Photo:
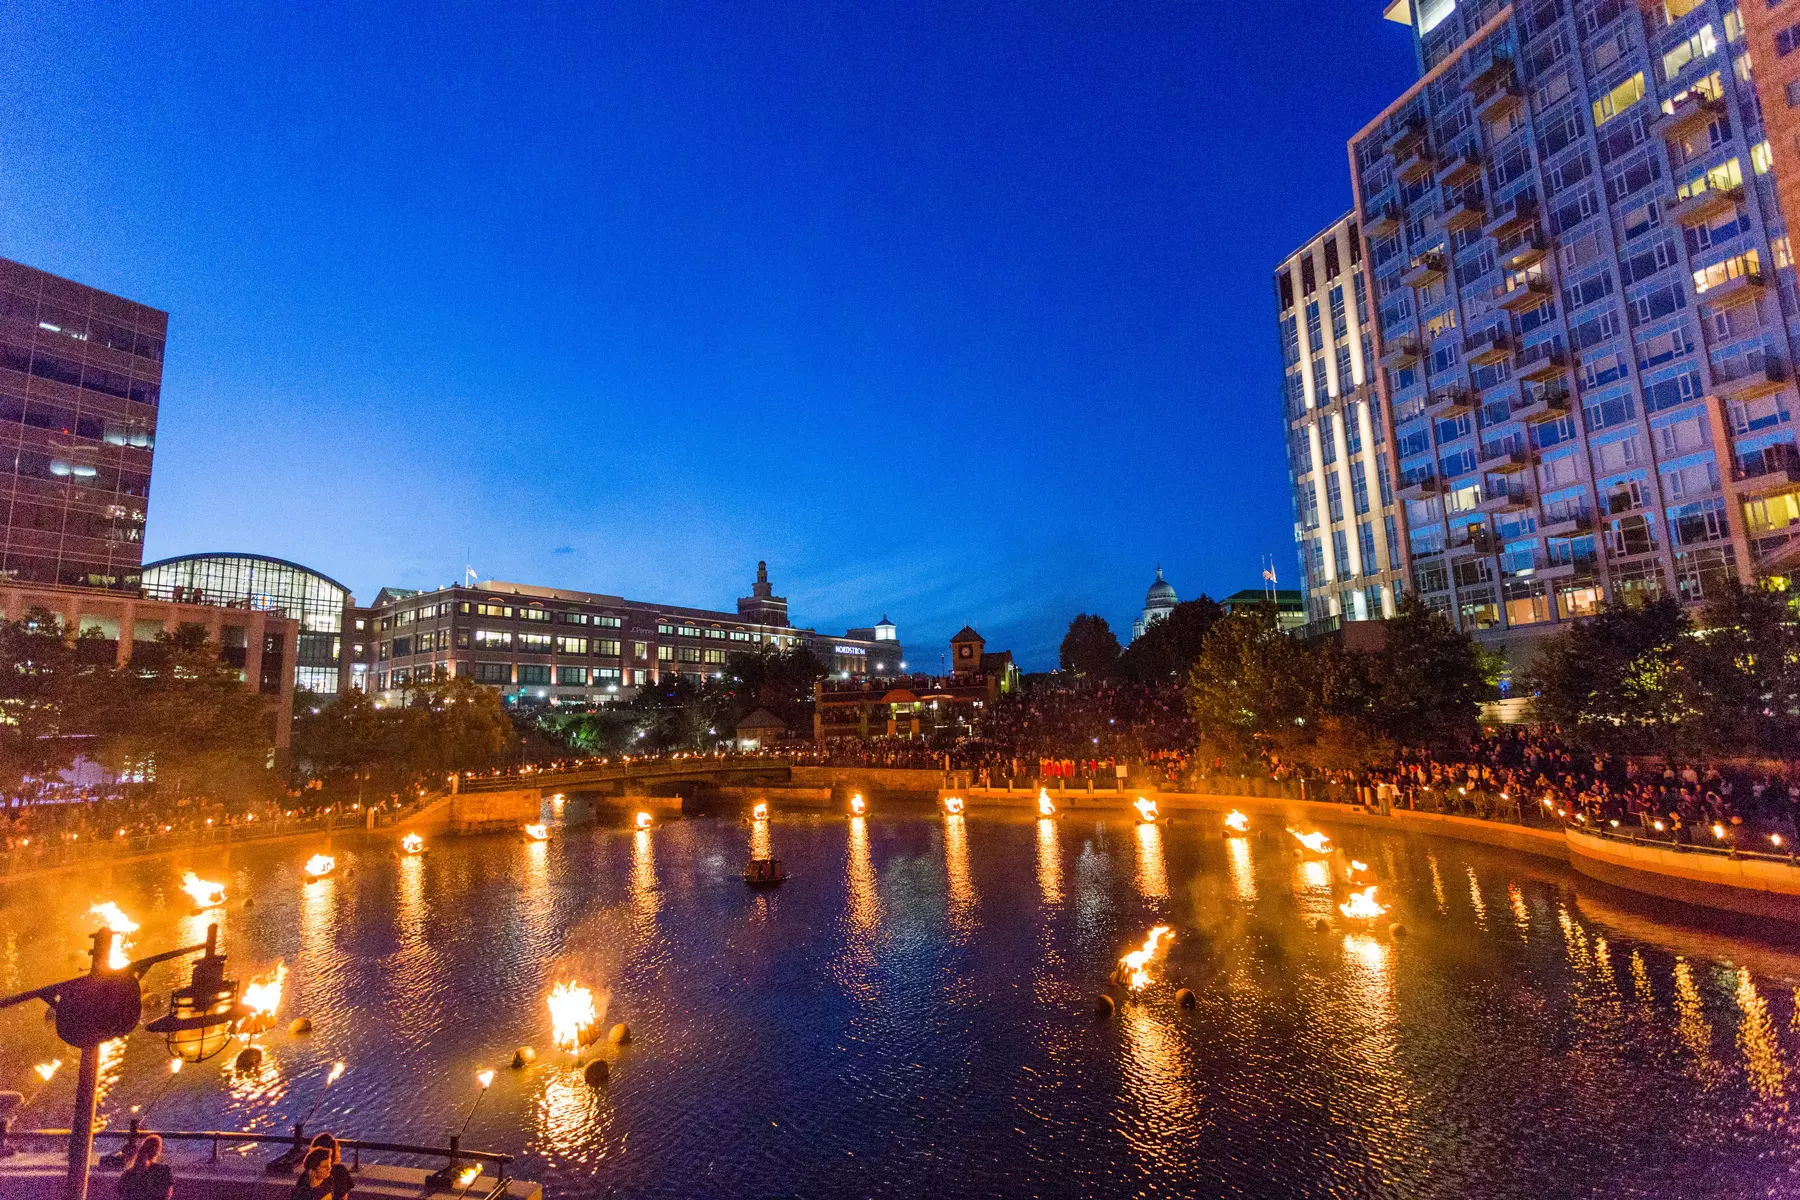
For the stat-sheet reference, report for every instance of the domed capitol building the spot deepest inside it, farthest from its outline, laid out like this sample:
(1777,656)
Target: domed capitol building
(1159,602)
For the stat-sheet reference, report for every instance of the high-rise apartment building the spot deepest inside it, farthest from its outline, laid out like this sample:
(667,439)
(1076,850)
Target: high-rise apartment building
(80,378)
(1346,525)
(1584,303)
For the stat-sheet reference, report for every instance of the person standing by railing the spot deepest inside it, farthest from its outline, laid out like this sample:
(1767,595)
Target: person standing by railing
(147,1178)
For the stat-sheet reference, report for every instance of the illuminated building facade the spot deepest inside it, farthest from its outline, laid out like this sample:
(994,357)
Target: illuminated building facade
(80,381)
(258,583)
(1340,466)
(1583,303)
(558,646)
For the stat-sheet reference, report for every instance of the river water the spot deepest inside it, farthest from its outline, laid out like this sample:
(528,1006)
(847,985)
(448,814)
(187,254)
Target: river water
(910,1014)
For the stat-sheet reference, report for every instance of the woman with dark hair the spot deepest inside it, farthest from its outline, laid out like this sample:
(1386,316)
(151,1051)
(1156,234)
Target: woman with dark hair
(146,1177)
(341,1183)
(315,1177)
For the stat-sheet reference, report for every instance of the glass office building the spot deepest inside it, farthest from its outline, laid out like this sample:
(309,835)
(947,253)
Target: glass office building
(261,584)
(1584,304)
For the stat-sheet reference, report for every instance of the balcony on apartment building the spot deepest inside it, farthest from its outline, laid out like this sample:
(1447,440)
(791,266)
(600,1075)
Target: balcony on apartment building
(1399,352)
(1773,469)
(1519,294)
(1500,496)
(1733,281)
(1405,134)
(1448,402)
(1522,250)
(1543,361)
(1567,525)
(1462,167)
(1705,204)
(1503,460)
(1691,112)
(1420,488)
(1424,269)
(1746,379)
(1491,345)
(1383,222)
(1496,91)
(1512,215)
(1465,211)
(1545,404)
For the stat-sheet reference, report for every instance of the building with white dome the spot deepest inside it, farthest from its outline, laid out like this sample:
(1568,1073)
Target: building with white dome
(1159,602)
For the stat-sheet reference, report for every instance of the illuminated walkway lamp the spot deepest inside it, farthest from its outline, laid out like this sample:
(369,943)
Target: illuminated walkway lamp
(105,1004)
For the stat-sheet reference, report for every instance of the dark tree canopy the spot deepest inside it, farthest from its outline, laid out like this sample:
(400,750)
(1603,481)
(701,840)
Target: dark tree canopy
(1090,648)
(1169,648)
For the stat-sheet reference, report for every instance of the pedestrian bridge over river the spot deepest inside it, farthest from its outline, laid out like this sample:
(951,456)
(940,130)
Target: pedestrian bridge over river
(583,793)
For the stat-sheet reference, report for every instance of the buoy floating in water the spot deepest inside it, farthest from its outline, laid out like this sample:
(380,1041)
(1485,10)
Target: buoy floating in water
(523,1056)
(1103,1005)
(596,1072)
(300,1025)
(1185,997)
(619,1035)
(248,1059)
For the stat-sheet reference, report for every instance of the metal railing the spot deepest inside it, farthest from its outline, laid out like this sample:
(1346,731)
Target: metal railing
(297,1144)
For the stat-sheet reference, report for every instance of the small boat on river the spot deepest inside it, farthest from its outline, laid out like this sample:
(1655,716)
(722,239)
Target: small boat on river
(764,872)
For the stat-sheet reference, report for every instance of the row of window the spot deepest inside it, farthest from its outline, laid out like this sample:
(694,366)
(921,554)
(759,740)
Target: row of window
(45,365)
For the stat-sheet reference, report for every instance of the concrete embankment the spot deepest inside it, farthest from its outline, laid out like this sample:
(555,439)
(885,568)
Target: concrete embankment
(38,1174)
(1757,887)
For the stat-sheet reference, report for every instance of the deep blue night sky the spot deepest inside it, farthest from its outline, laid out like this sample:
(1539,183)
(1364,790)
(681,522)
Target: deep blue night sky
(957,312)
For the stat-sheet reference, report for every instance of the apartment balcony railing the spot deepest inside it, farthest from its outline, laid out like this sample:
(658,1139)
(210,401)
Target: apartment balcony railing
(1500,497)
(1515,254)
(1399,352)
(1424,268)
(1405,135)
(1414,162)
(1488,346)
(1546,404)
(1541,362)
(1736,288)
(1776,469)
(1465,212)
(1497,99)
(1512,215)
(1691,112)
(1758,378)
(1704,205)
(1448,402)
(1567,526)
(1517,295)
(1460,169)
(1504,460)
(1419,489)
(1383,222)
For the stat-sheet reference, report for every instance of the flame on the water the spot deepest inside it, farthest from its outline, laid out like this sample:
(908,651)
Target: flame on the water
(538,833)
(643,820)
(111,917)
(46,1071)
(572,1016)
(205,893)
(1315,841)
(858,805)
(1045,807)
(1146,809)
(262,996)
(1236,821)
(953,805)
(319,866)
(761,811)
(1362,906)
(412,843)
(1135,967)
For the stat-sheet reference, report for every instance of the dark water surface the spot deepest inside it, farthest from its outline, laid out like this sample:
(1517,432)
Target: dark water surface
(910,1014)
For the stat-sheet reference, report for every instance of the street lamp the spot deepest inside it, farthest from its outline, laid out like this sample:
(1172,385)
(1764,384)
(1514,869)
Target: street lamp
(106,1003)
